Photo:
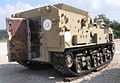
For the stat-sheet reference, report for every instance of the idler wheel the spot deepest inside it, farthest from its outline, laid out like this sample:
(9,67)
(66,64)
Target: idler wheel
(69,59)
(113,49)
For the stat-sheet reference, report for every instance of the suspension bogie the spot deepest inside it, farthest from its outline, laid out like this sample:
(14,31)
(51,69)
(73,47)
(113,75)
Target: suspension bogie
(84,59)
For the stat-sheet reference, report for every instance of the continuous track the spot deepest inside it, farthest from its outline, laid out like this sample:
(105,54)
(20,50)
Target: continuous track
(103,54)
(69,79)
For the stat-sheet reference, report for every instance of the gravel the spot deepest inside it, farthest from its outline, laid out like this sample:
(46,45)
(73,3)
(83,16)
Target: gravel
(15,73)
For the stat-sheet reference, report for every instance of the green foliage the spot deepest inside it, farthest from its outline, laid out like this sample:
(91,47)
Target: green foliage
(113,24)
(105,19)
(116,33)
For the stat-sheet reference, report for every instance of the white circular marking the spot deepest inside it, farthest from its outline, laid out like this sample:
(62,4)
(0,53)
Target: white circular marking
(47,24)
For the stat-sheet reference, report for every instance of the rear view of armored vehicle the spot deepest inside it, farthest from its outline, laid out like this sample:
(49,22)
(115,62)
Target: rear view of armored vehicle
(60,35)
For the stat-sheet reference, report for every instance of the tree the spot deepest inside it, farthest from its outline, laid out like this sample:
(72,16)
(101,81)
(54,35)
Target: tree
(105,19)
(113,24)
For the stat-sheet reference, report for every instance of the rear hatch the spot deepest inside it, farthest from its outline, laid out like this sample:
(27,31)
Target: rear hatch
(17,38)
(24,39)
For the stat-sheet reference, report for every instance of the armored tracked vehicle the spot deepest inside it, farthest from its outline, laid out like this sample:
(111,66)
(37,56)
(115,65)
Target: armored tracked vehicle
(60,35)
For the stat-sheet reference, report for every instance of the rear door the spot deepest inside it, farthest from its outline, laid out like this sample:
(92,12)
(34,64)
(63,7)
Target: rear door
(17,41)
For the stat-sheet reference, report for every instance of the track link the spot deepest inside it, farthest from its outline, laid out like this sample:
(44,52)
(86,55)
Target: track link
(59,61)
(69,79)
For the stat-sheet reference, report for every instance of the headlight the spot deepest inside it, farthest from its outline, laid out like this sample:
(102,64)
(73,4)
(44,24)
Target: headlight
(68,36)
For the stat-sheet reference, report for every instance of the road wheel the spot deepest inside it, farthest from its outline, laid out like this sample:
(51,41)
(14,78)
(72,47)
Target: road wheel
(101,58)
(77,66)
(105,54)
(109,55)
(94,61)
(88,62)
